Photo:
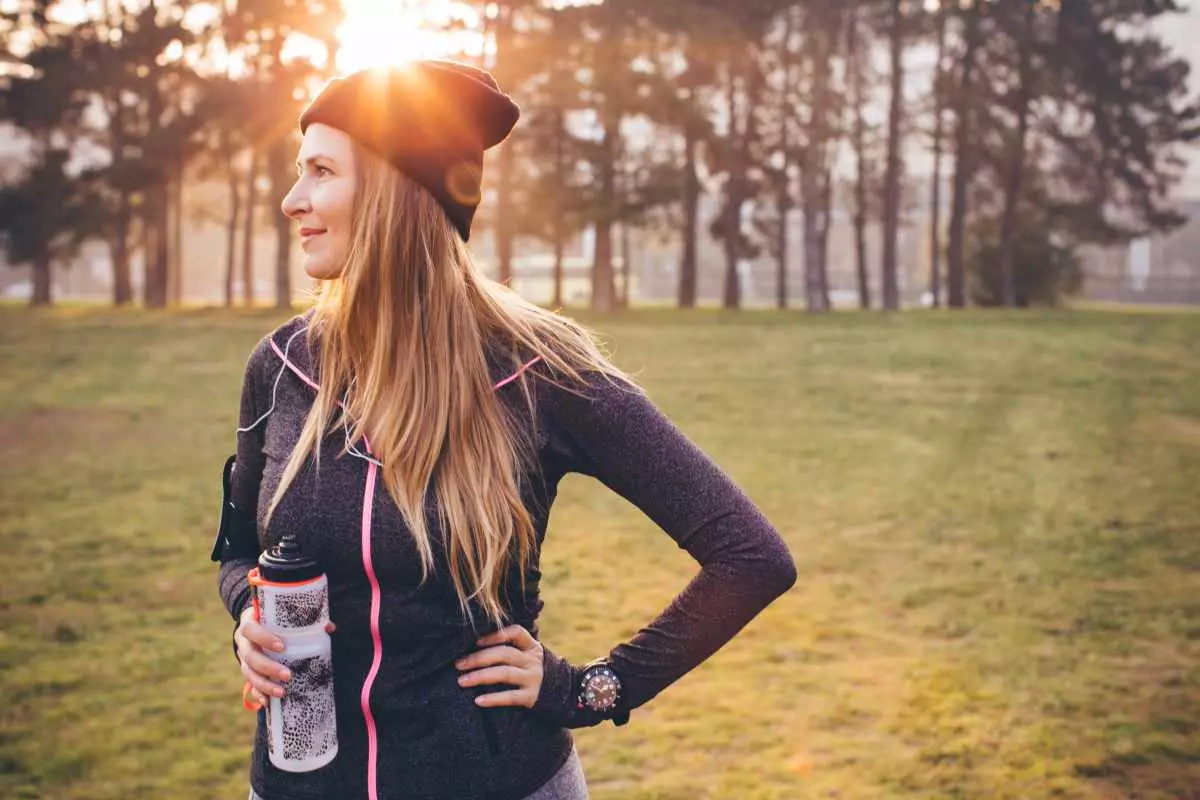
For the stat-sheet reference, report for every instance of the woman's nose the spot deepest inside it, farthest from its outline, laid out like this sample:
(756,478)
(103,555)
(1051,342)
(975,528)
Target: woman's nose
(294,202)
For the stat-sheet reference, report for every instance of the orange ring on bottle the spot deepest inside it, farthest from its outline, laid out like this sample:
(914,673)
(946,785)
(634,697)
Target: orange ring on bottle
(246,702)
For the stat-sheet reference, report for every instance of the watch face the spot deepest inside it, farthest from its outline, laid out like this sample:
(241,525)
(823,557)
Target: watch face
(600,689)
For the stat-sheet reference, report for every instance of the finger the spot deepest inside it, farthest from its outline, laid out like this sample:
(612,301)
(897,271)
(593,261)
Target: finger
(262,637)
(515,697)
(266,667)
(258,696)
(516,634)
(502,654)
(260,683)
(512,675)
(330,627)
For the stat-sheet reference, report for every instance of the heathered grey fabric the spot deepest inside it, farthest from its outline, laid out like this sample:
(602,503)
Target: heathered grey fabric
(435,743)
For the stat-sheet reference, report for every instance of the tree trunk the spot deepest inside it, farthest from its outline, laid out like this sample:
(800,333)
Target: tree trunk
(811,192)
(177,270)
(231,226)
(859,143)
(891,181)
(157,247)
(277,169)
(162,247)
(1015,179)
(504,166)
(42,280)
(626,267)
(248,231)
(559,212)
(603,290)
(731,295)
(935,193)
(781,250)
(964,162)
(558,270)
(148,247)
(122,280)
(691,212)
(827,214)
(784,201)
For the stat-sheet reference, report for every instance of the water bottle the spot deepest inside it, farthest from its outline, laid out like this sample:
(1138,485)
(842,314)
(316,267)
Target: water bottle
(291,600)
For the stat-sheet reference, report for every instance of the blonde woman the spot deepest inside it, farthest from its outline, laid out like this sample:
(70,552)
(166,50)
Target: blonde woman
(410,430)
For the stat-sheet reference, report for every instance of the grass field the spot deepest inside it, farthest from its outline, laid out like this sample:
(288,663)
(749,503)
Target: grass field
(996,519)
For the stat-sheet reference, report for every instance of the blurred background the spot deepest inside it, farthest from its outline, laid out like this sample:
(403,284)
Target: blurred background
(991,496)
(877,153)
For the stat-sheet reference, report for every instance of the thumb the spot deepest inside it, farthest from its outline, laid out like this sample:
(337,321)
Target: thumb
(330,627)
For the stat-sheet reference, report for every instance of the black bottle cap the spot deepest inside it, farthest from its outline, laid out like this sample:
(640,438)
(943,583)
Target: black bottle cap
(284,563)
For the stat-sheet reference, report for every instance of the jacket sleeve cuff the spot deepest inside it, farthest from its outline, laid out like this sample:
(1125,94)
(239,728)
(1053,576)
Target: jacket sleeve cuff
(557,700)
(241,604)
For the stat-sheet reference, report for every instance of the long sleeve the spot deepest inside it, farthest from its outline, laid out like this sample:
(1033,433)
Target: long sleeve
(239,518)
(620,437)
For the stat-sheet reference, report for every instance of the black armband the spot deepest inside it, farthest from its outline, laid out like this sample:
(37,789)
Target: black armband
(237,533)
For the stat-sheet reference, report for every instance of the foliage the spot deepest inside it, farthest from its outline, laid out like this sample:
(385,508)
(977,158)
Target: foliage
(1046,268)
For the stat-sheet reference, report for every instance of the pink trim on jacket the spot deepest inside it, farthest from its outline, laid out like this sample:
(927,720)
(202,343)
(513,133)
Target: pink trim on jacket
(369,569)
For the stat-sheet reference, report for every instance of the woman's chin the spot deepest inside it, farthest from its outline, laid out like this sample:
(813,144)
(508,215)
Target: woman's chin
(317,270)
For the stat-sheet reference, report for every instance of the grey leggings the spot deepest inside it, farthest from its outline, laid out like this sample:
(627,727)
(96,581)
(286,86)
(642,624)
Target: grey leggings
(566,784)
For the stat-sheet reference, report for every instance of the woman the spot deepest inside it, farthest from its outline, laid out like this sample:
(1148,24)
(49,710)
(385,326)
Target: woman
(411,430)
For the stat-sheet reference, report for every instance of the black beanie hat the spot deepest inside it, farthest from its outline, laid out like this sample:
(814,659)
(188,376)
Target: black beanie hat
(431,120)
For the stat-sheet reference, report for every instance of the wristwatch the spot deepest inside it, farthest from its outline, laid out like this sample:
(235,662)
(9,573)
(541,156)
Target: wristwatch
(600,690)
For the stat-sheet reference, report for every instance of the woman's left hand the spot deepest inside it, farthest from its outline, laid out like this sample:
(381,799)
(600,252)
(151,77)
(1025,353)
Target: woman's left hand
(514,658)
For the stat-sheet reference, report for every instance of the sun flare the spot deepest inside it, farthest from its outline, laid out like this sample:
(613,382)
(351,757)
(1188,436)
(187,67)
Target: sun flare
(382,32)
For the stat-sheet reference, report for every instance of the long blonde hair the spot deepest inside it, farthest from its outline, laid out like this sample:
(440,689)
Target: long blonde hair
(403,333)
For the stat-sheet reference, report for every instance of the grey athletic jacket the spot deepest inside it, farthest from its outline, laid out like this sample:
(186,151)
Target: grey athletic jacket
(406,729)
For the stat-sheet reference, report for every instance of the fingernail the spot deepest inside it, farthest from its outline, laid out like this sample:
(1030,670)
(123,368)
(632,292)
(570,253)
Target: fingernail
(462,680)
(285,675)
(278,692)
(278,646)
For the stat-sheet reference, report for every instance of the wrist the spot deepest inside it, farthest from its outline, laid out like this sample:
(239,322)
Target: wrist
(562,699)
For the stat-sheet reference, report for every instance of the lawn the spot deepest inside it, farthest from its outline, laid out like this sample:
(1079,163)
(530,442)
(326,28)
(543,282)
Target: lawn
(995,517)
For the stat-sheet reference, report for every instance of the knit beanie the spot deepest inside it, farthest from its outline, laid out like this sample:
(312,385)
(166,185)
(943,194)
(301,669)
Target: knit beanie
(432,120)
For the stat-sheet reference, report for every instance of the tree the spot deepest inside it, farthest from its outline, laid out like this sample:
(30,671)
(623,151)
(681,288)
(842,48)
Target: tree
(1043,266)
(891,181)
(857,65)
(964,154)
(1024,34)
(45,217)
(940,89)
(45,213)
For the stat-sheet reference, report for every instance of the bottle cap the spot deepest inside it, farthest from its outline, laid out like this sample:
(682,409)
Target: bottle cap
(285,563)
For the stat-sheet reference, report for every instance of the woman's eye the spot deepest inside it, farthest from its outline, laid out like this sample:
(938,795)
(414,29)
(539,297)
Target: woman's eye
(323,171)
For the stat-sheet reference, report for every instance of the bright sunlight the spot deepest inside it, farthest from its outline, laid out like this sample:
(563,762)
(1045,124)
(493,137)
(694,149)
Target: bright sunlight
(380,32)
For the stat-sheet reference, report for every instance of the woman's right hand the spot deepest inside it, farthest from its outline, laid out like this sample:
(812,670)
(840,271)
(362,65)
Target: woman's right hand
(260,670)
(252,639)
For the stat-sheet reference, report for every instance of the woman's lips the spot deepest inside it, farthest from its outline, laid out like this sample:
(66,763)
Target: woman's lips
(308,234)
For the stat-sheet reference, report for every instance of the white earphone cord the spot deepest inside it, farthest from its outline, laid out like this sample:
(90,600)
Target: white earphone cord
(350,448)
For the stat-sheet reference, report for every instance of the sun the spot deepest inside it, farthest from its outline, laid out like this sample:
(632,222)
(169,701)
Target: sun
(383,32)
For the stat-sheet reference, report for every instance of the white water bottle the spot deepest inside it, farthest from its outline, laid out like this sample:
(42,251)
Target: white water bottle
(291,600)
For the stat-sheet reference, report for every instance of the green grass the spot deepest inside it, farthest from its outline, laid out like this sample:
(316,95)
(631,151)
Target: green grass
(995,518)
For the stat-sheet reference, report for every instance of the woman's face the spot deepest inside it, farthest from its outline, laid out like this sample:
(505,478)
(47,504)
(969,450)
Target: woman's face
(321,201)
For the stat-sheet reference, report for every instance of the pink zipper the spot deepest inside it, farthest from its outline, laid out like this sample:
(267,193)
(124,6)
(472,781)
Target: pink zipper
(376,638)
(369,569)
